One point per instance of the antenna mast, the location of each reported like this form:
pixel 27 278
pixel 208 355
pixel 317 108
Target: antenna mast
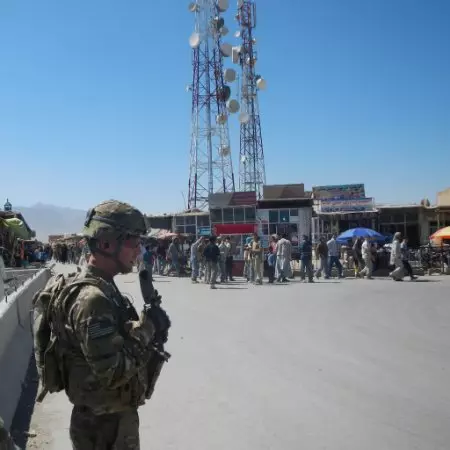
pixel 252 172
pixel 211 168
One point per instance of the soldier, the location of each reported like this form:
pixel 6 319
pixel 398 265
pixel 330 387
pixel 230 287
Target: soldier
pixel 104 344
pixel 6 442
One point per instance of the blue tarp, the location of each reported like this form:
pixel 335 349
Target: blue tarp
pixel 360 232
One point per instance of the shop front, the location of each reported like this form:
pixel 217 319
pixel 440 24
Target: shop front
pixel 342 207
pixel 234 215
pixel 284 216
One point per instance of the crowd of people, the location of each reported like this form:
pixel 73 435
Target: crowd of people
pixel 211 259
pixel 66 253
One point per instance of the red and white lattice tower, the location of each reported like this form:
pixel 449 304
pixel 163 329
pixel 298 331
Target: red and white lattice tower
pixel 211 168
pixel 252 172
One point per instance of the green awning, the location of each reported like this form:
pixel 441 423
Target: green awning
pixel 18 228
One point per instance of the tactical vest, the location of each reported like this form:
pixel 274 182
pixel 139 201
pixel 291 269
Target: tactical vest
pixel 51 342
pixel 49 334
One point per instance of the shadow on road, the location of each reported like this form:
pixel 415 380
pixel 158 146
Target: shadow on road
pixel 427 281
pixel 230 287
pixel 22 417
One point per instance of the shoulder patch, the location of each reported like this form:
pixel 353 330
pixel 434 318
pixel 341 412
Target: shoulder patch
pixel 100 328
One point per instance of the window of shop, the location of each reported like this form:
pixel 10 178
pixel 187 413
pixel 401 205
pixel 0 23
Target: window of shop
pixel 293 212
pixel 228 216
pixel 274 216
pixel 179 220
pixel 412 217
pixel 433 227
pixel 188 224
pixel 203 221
pixel 239 215
pixel 398 218
pixel 284 216
pixel 233 215
pixel 216 215
pixel 250 215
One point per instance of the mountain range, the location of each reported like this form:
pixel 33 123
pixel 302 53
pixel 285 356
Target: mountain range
pixel 49 219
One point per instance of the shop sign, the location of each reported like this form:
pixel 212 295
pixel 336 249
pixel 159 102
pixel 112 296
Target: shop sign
pixel 351 205
pixel 339 192
pixel 204 231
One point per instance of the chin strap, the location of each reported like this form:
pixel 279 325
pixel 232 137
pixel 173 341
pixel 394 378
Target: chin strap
pixel 115 256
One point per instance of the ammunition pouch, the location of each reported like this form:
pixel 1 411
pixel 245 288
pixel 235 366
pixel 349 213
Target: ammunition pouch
pixel 52 371
pixel 154 367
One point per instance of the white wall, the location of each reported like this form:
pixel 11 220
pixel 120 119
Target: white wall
pixel 16 342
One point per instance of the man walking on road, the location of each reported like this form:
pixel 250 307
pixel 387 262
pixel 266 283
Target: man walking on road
pixel 212 255
pixel 334 254
pixel 396 259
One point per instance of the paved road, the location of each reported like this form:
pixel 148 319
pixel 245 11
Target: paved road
pixel 345 365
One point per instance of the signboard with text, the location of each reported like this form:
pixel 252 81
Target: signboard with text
pixel 351 205
pixel 339 192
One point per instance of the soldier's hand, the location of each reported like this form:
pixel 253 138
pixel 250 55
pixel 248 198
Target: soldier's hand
pixel 156 298
pixel 160 321
pixel 143 330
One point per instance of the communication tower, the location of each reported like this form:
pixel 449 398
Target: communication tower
pixel 252 172
pixel 211 168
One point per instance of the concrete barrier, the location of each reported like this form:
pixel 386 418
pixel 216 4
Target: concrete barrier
pixel 16 342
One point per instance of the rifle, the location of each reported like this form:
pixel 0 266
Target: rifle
pixel 160 356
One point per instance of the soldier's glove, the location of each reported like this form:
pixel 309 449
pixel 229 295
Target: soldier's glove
pixel 160 321
pixel 142 330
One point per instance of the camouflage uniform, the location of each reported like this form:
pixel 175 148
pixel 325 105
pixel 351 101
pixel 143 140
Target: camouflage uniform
pixel 6 442
pixel 105 348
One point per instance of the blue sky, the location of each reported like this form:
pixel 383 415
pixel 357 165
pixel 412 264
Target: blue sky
pixel 93 103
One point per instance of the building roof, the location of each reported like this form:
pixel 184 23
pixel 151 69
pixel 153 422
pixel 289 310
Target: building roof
pixel 399 206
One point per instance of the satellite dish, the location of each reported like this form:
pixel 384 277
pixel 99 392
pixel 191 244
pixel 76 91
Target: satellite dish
pixel 188 87
pixel 229 75
pixel 250 61
pixel 224 31
pixel 254 41
pixel 223 5
pixel 221 119
pixel 194 40
pixel 235 53
pixel 261 83
pixel 244 118
pixel 237 34
pixel 233 106
pixel 226 49
pixel 218 22
pixel 224 93
pixel 243 159
pixel 193 7
pixel 240 3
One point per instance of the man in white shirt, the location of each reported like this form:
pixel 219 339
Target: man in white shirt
pixel 284 250
pixel 366 250
pixel 396 259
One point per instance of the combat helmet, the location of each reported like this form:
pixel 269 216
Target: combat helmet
pixel 112 217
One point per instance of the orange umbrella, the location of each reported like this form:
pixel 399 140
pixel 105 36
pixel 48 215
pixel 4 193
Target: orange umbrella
pixel 443 233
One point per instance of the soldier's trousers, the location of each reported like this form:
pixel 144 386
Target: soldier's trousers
pixel 117 431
